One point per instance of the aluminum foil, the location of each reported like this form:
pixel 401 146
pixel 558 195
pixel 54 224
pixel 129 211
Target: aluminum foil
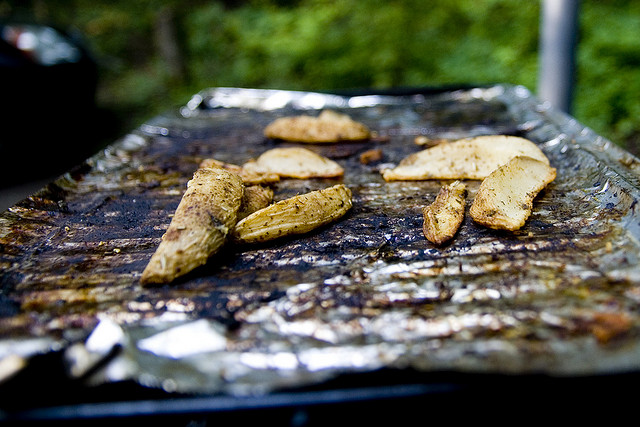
pixel 558 297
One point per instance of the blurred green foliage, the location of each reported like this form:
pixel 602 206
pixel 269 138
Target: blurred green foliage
pixel 330 45
pixel 608 81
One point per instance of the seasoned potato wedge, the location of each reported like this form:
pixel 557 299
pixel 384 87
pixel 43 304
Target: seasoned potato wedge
pixel 206 214
pixel 255 197
pixel 470 158
pixel 296 215
pixel 248 177
pixel 443 217
pixel 505 198
pixel 294 162
pixel 328 127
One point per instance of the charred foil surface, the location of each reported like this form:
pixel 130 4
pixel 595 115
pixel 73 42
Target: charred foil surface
pixel 558 296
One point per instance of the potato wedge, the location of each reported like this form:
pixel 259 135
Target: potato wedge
pixel 443 217
pixel 470 158
pixel 328 127
pixel 296 215
pixel 504 200
pixel 206 214
pixel 255 197
pixel 294 162
pixel 248 177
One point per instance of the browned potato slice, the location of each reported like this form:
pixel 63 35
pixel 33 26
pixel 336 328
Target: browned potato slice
pixel 255 197
pixel 371 156
pixel 248 177
pixel 470 158
pixel 294 162
pixel 443 217
pixel 329 126
pixel 296 215
pixel 505 198
pixel 207 212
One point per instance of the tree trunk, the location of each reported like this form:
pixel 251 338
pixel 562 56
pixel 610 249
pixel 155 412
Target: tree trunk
pixel 167 43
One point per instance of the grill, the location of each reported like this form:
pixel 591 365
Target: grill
pixel 364 313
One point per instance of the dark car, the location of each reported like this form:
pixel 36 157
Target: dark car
pixel 48 82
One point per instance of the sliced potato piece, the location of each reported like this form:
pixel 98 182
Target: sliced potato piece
pixel 443 217
pixel 469 158
pixel 371 156
pixel 294 162
pixel 248 177
pixel 255 197
pixel 296 215
pixel 206 214
pixel 504 200
pixel 328 127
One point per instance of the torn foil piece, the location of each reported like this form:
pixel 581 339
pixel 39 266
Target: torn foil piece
pixel 185 340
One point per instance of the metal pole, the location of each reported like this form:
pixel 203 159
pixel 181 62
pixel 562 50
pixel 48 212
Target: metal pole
pixel 558 37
